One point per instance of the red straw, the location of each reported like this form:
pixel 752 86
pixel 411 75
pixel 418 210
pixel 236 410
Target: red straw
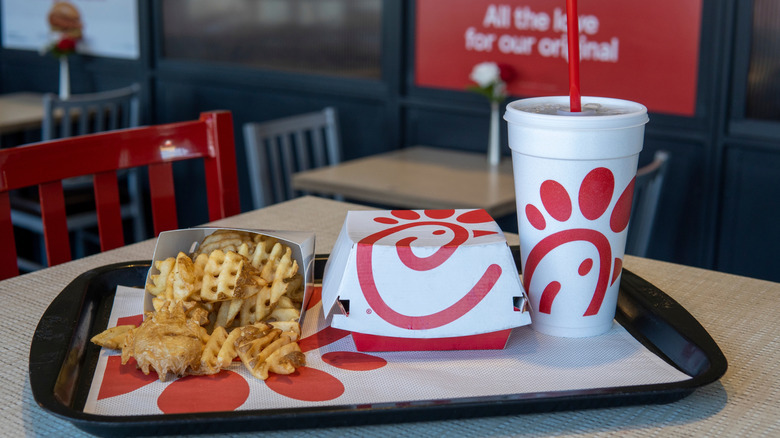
pixel 573 30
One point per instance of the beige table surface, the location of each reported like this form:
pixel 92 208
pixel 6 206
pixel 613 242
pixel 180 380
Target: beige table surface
pixel 20 112
pixel 740 313
pixel 418 177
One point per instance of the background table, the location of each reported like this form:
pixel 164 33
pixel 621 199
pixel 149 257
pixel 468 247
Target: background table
pixel 20 112
pixel 740 313
pixel 418 177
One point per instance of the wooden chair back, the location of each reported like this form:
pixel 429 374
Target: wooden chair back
pixel 82 114
pixel 647 195
pixel 278 148
pixel 90 113
pixel 101 155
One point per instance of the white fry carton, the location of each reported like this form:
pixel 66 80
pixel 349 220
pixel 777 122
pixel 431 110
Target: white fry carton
pixel 423 280
pixel 170 243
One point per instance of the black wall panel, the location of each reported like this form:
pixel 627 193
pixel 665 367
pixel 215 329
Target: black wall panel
pixel 678 233
pixel 361 122
pixel 749 235
pixel 464 130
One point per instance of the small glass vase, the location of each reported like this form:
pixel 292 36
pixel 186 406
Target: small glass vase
pixel 64 78
pixel 494 139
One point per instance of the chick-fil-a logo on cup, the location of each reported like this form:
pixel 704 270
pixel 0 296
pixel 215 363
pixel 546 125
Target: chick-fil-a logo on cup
pixel 594 200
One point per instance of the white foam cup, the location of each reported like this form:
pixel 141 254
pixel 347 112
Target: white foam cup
pixel 574 183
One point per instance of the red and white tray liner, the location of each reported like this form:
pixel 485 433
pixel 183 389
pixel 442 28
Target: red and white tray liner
pixel 336 374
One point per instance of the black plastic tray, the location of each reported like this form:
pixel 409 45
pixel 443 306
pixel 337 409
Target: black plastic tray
pixel 62 362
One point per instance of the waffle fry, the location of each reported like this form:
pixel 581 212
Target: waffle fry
pixel 209 360
pixel 255 346
pixel 281 356
pixel 228 350
pixel 185 277
pixel 284 273
pixel 161 282
pixel 259 252
pixel 291 328
pixel 275 256
pixel 178 279
pixel 113 338
pixel 228 310
pixel 242 288
pixel 193 310
pixel 295 289
pixel 223 276
pixel 282 279
pixel 223 240
pixel 285 310
pixel 286 359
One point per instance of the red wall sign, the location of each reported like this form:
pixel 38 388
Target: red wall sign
pixel 647 52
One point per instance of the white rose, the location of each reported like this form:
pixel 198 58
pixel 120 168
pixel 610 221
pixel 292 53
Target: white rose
pixel 486 73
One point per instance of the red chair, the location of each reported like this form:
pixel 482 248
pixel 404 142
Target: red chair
pixel 46 164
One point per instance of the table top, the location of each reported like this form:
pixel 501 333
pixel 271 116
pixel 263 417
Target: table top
pixel 418 177
pixel 740 313
pixel 20 112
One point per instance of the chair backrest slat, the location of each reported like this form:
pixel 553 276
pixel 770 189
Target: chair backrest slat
pixel 114 115
pixel 276 146
pixel 257 160
pixel 318 145
pixel 47 163
pixel 163 197
pixel 302 147
pixel 55 222
pixel 109 215
pixel 8 267
pixel 99 114
pixel 333 135
pixel 66 126
pixel 288 166
pixel 276 149
pixel 220 167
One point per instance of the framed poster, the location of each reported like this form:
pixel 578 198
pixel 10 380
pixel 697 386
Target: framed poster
pixel 109 27
pixel 647 52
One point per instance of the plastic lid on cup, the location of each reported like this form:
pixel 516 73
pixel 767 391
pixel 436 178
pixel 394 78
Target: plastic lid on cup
pixel 597 113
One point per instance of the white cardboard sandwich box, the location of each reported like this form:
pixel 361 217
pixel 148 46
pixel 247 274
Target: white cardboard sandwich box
pixel 423 280
pixel 170 243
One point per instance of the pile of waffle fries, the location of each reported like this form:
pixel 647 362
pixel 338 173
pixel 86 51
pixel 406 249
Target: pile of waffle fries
pixel 237 295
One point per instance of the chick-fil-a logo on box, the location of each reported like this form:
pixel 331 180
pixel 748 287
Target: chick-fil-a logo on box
pixel 424 273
